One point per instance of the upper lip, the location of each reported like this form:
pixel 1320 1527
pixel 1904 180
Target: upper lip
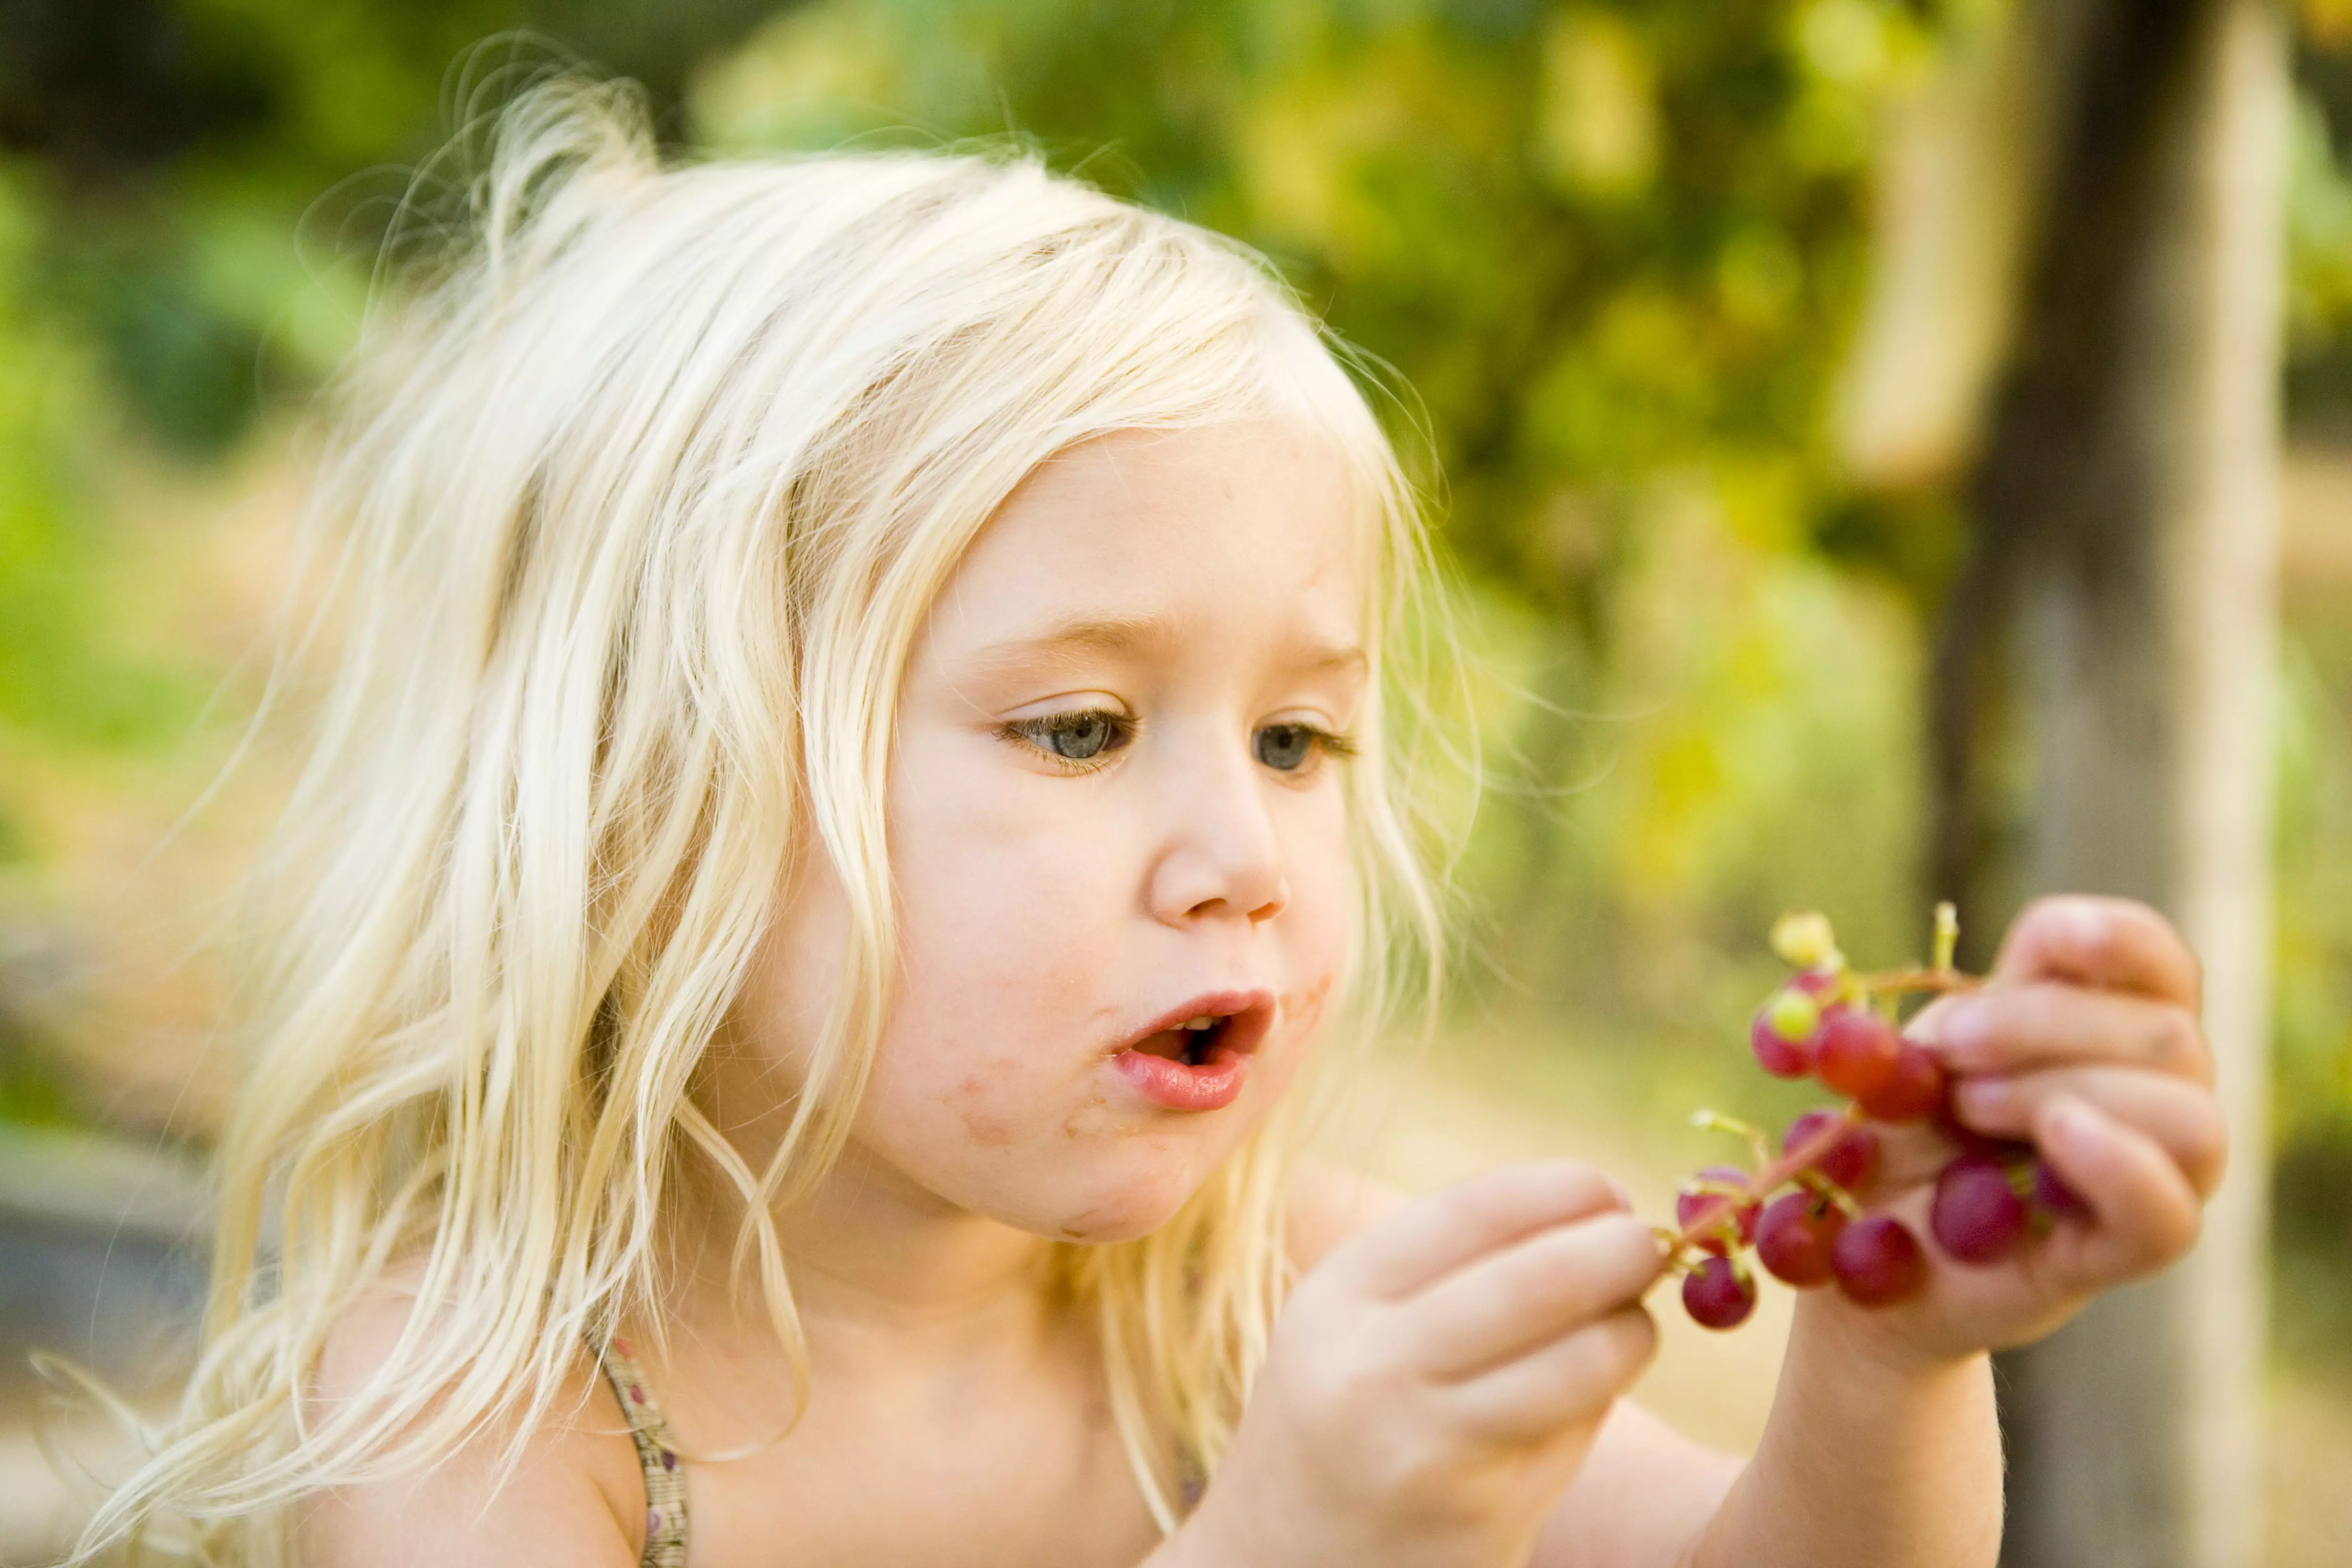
pixel 1251 1014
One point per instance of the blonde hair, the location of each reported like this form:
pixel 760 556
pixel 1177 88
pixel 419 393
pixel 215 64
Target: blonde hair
pixel 638 508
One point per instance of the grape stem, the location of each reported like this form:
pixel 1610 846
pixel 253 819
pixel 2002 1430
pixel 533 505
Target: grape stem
pixel 1803 1157
pixel 1907 982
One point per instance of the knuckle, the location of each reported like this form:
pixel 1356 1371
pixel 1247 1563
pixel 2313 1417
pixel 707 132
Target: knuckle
pixel 1569 1186
pixel 1582 1187
pixel 1632 1254
pixel 1415 1466
pixel 1534 1288
pixel 1634 1334
pixel 1342 1369
pixel 2180 1042
pixel 1584 1269
pixel 1609 1356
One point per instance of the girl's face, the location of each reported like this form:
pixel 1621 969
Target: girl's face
pixel 1115 809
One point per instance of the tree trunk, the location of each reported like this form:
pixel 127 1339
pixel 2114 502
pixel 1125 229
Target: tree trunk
pixel 2125 510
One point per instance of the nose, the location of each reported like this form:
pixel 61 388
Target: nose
pixel 1222 858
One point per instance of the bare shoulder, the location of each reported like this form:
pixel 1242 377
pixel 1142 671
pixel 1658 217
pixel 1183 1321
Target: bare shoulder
pixel 574 1495
pixel 1330 1202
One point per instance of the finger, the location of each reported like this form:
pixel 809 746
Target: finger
pixel 1571 1379
pixel 1435 1234
pixel 2016 1028
pixel 2112 942
pixel 2184 1119
pixel 2143 1212
pixel 1528 1294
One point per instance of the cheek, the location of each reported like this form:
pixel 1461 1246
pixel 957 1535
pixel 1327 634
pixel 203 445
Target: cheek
pixel 1316 926
pixel 1006 914
pixel 1010 920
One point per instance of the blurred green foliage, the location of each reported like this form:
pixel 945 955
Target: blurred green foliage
pixel 1616 248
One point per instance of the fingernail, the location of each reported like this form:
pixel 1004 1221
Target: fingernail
pixel 2086 929
pixel 1964 1032
pixel 2071 1120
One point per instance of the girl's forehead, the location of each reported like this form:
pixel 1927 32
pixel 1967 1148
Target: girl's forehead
pixel 1148 530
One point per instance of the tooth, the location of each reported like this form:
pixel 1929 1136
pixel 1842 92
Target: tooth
pixel 1201 1023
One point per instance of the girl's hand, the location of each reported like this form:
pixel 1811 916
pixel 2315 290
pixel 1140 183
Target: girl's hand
pixel 1435 1384
pixel 2086 1041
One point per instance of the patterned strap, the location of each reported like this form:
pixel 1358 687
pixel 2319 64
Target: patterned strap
pixel 665 1482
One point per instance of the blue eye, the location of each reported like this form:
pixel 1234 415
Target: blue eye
pixel 1285 747
pixel 1079 736
pixel 1073 737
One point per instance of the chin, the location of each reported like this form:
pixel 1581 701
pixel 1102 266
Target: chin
pixel 1132 1199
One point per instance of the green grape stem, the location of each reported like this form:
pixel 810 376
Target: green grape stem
pixel 1909 981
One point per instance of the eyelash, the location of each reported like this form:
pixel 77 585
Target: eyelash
pixel 1029 732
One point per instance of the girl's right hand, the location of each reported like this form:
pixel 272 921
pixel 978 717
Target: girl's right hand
pixel 1434 1387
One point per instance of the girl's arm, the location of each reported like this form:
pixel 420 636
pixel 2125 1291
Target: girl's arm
pixel 1893 1461
pixel 1861 1462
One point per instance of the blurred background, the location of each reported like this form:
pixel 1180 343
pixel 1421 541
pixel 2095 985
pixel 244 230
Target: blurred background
pixel 1892 450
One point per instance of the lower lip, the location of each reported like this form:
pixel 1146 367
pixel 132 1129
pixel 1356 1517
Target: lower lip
pixel 1180 1085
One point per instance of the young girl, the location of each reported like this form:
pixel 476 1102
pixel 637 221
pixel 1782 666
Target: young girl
pixel 863 773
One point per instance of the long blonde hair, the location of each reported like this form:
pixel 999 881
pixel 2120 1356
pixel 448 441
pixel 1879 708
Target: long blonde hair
pixel 637 507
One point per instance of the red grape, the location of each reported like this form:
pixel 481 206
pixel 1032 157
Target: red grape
pixel 1976 1215
pixel 1691 1204
pixel 1856 1051
pixel 1913 1093
pixel 1716 1296
pixel 2053 1196
pixel 1779 1057
pixel 1878 1260
pixel 1851 1161
pixel 1795 1236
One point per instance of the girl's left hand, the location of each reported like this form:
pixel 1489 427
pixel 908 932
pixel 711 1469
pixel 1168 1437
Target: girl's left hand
pixel 2086 1042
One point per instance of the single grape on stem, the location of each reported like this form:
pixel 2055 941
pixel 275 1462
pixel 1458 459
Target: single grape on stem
pixel 1976 1215
pixel 1857 1051
pixel 1878 1261
pixel 1913 1092
pixel 1795 1236
pixel 1718 1294
pixel 1787 1026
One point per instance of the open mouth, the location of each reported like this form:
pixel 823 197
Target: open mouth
pixel 1193 1043
pixel 1196 1057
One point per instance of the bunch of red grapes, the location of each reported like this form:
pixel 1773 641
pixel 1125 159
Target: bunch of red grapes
pixel 1798 1213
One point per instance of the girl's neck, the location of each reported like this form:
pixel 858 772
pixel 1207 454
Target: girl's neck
pixel 880 1266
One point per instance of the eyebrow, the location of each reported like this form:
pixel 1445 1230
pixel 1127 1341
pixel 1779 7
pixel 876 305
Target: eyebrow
pixel 1125 634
